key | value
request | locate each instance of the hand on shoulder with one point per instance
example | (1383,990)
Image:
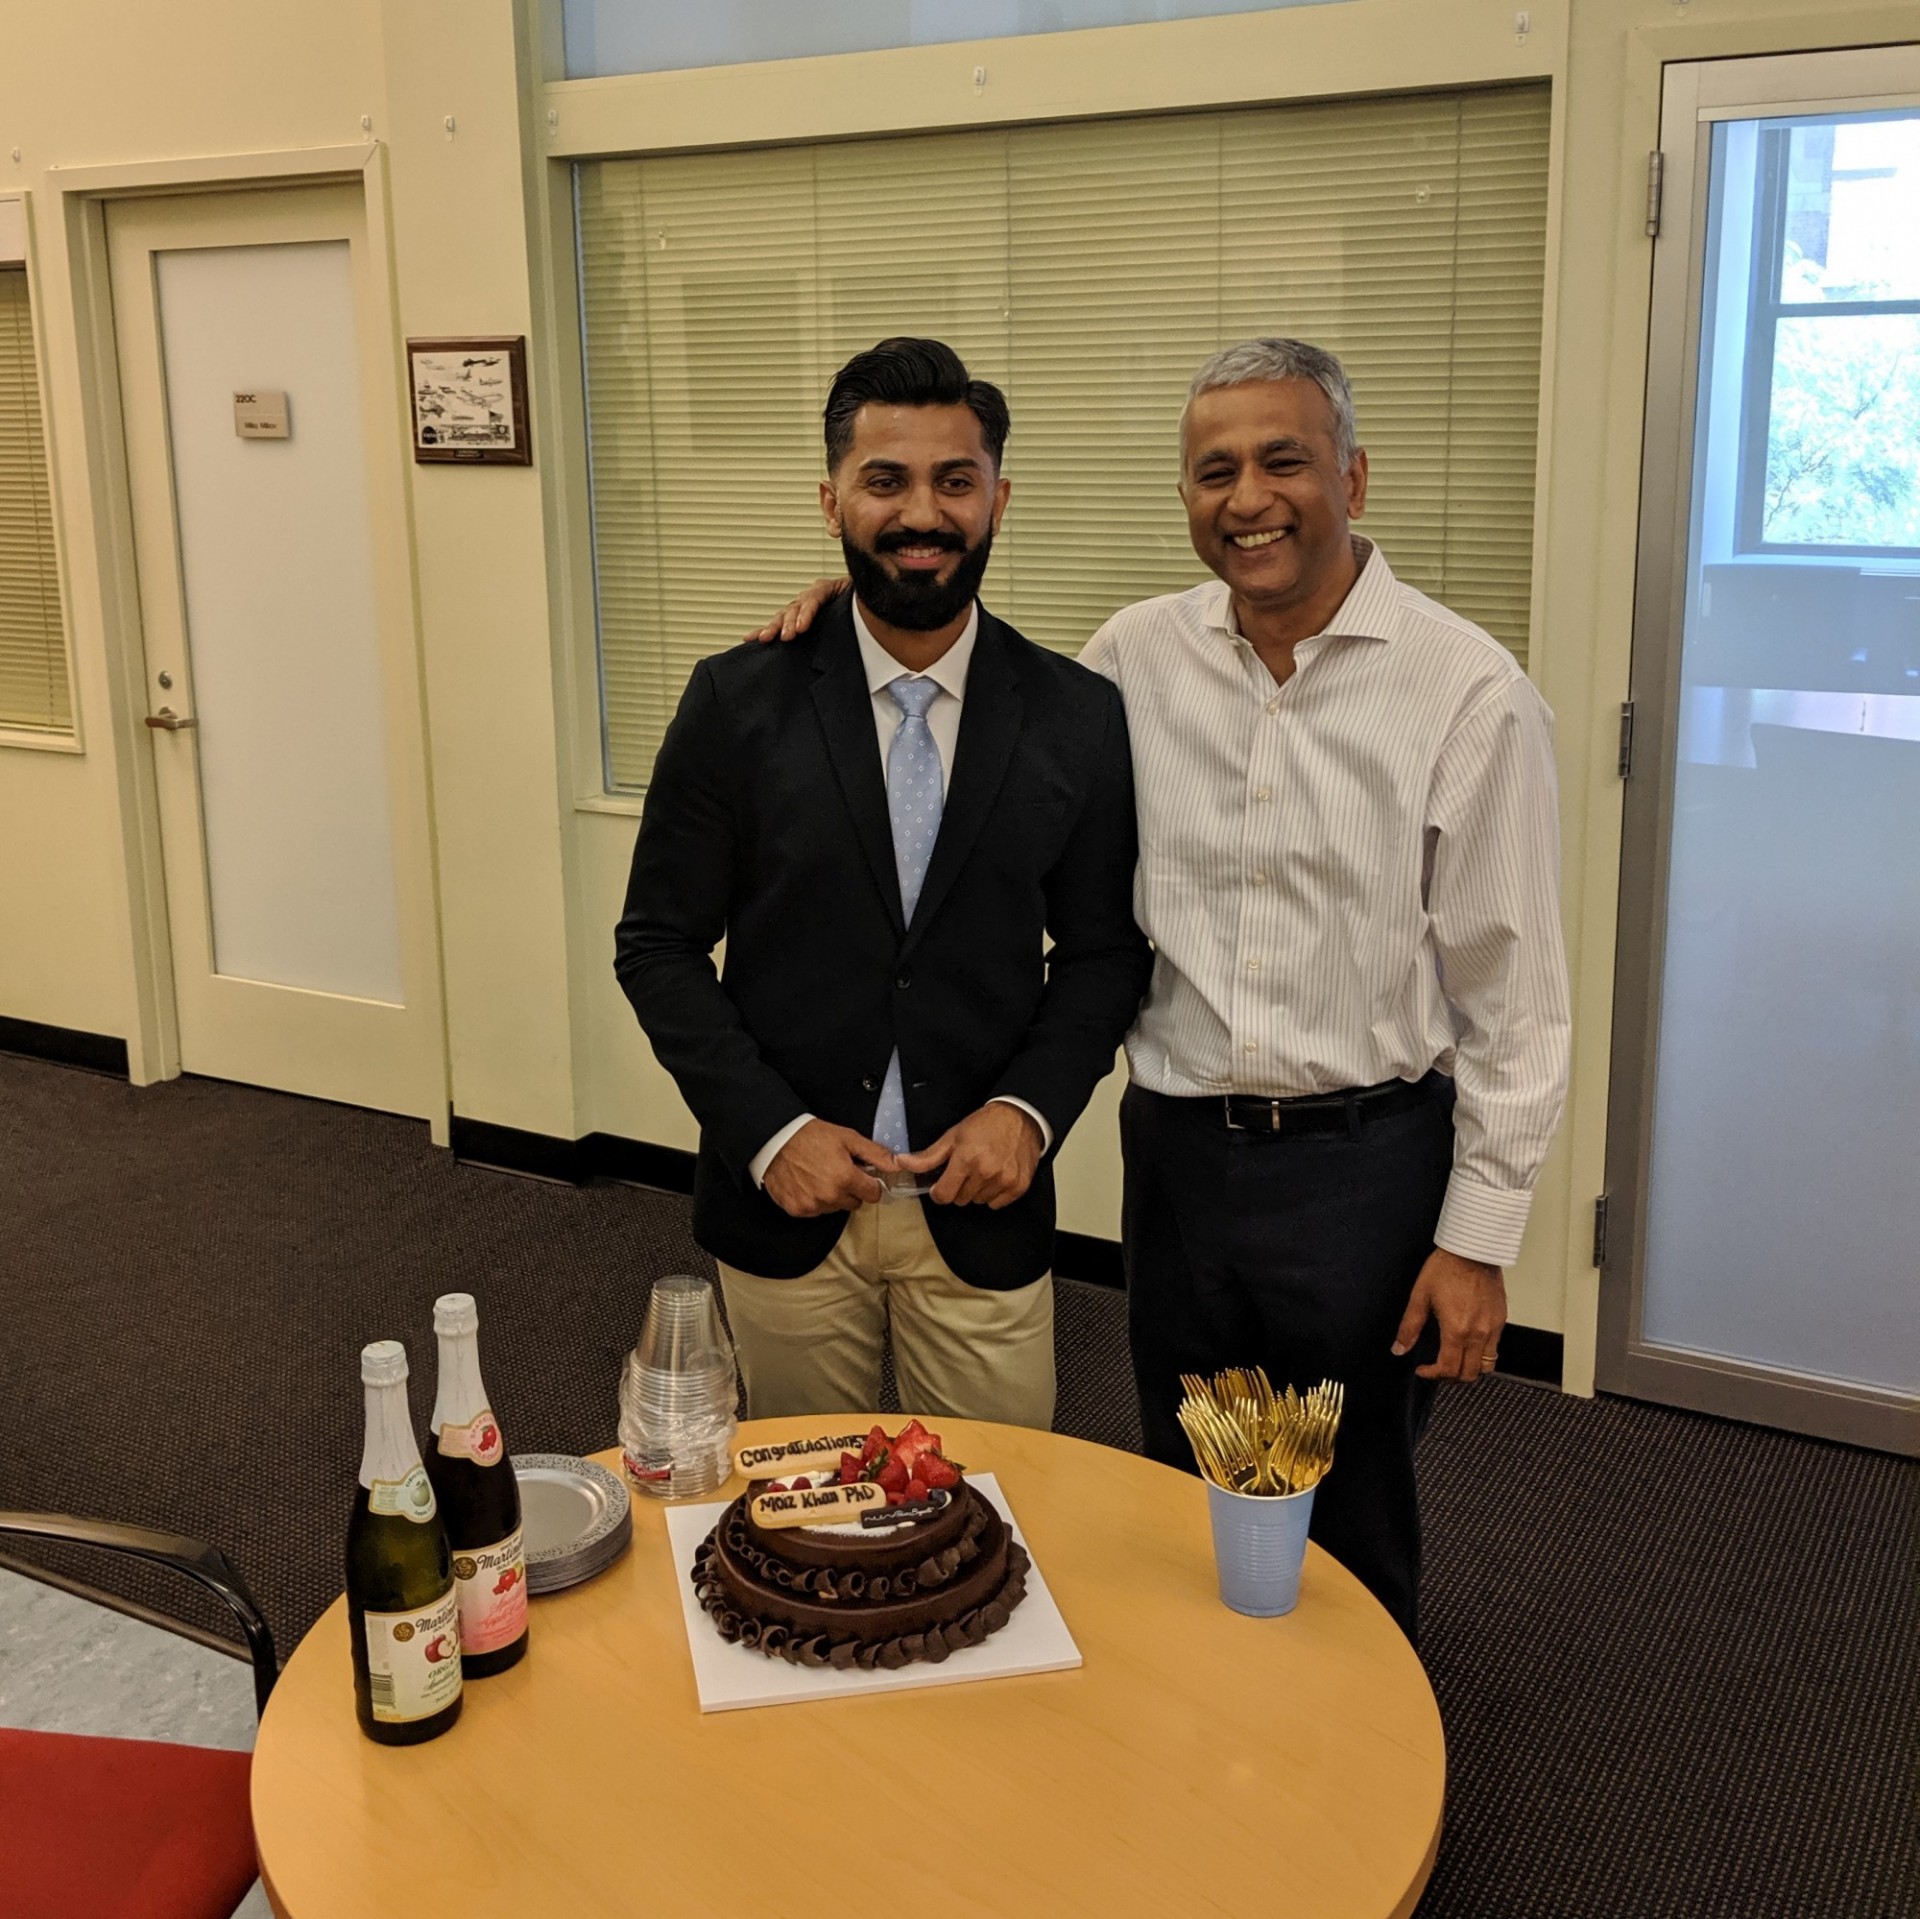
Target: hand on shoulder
(798,614)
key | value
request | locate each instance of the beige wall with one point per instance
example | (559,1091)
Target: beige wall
(530,861)
(494,659)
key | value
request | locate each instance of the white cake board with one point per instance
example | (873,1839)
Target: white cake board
(1034,1639)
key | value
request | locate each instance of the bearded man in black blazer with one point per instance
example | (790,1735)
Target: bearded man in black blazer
(887,822)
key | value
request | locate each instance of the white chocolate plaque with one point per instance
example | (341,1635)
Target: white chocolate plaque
(819,1506)
(792,1458)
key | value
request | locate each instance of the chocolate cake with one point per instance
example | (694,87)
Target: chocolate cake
(921,1587)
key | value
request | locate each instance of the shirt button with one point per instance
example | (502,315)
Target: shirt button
(1248,1047)
(1273,706)
(869,1084)
(1253,966)
(1259,879)
(1264,793)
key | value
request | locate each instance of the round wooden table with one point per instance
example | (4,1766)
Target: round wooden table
(1198,1763)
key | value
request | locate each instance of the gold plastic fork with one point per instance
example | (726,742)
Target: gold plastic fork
(1248,1438)
(1219,1446)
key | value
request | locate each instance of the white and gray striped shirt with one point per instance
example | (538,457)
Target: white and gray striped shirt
(1352,877)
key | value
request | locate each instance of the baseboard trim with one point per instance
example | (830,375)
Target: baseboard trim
(1526,1352)
(1091,1260)
(637,1162)
(1531,1352)
(571,1162)
(511,1149)
(64,1046)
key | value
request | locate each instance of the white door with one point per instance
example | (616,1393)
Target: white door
(1767,1066)
(282,683)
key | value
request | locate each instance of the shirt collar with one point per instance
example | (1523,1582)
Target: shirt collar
(1366,612)
(948,672)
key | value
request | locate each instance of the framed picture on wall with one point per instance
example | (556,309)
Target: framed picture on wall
(470,400)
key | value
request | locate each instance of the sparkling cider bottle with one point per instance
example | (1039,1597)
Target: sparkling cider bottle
(403,1617)
(479,1498)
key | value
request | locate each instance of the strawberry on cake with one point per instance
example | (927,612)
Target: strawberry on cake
(934,1573)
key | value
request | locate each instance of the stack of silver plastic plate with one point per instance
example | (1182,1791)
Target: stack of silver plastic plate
(576,1519)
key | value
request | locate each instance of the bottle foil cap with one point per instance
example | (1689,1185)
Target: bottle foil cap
(384,1363)
(455,1313)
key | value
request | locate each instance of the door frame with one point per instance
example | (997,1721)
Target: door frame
(86,193)
(1695,95)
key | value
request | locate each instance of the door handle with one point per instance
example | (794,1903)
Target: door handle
(168,721)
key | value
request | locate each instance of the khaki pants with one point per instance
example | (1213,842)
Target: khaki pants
(814,1344)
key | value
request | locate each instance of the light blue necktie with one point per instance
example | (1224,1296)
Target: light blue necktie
(914,800)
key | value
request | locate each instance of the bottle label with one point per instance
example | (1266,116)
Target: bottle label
(412,1497)
(492,1585)
(477,1440)
(413,1660)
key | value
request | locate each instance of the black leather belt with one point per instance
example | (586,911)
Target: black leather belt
(1345,1112)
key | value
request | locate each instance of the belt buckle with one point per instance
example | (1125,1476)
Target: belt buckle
(1234,1126)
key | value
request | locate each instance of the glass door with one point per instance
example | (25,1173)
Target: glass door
(1765,1137)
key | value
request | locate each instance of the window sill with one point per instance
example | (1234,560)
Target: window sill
(31,741)
(1899,564)
(625,805)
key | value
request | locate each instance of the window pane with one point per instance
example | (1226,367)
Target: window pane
(1843,432)
(1853,211)
(651,36)
(33,655)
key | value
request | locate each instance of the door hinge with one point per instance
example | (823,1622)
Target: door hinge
(1600,1230)
(1656,175)
(1624,766)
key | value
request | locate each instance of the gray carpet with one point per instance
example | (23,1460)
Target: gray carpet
(1675,1656)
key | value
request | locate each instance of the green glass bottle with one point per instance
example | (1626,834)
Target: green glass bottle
(403,1615)
(479,1497)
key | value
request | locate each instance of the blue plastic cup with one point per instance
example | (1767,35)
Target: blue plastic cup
(1259,1547)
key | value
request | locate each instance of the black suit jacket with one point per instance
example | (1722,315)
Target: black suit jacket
(766,823)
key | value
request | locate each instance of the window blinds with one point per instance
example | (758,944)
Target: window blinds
(1088,268)
(33,655)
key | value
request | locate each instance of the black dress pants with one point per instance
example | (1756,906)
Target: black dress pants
(1295,1252)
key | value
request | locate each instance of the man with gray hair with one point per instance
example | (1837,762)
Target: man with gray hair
(1353,1054)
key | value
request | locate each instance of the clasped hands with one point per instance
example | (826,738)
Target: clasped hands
(989,1159)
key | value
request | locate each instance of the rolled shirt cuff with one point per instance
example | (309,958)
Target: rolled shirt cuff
(1033,1113)
(1482,1222)
(758,1164)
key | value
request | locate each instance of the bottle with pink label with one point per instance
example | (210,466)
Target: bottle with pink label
(479,1497)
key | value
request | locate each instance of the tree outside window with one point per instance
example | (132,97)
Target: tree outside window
(1833,397)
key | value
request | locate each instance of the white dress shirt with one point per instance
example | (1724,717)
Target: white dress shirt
(1353,877)
(949,673)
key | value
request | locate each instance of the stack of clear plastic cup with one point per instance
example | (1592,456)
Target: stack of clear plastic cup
(679,1394)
